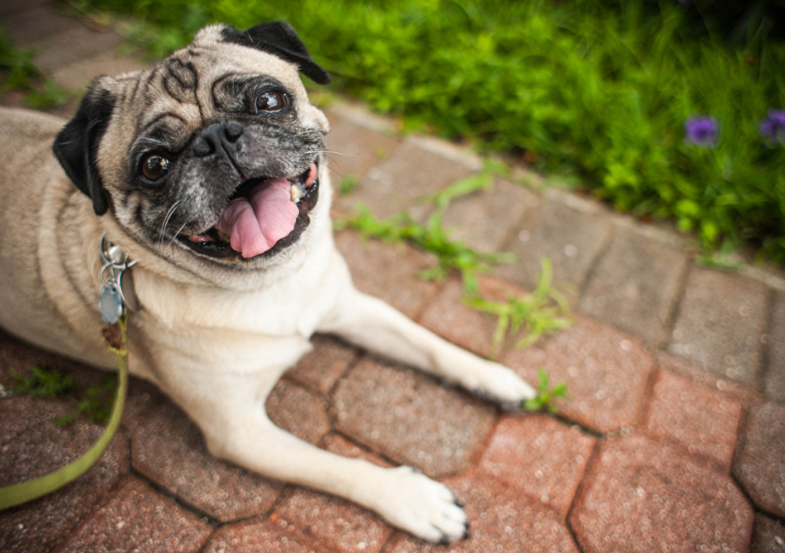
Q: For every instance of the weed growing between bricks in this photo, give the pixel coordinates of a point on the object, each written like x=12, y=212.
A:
x=528, y=317
x=93, y=403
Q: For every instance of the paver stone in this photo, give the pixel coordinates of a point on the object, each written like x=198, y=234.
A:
x=640, y=495
x=502, y=519
x=702, y=420
x=31, y=445
x=135, y=517
x=410, y=418
x=337, y=524
x=605, y=370
x=634, y=285
x=720, y=323
x=759, y=463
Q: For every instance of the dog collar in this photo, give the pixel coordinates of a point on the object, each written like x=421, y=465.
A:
x=113, y=302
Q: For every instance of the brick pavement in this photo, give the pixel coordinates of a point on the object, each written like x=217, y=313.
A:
x=671, y=438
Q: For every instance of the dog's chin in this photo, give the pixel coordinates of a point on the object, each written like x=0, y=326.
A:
x=216, y=245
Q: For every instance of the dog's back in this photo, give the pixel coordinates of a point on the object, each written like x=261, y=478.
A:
x=31, y=182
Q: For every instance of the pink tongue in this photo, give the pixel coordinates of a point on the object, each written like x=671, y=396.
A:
x=255, y=224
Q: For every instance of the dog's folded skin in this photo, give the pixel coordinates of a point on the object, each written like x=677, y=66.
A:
x=208, y=171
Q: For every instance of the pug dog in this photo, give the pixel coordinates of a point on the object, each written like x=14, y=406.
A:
x=208, y=172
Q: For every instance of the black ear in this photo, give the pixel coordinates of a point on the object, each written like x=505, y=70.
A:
x=280, y=39
x=76, y=146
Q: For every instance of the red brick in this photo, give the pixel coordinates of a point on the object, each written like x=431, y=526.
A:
x=724, y=385
x=135, y=517
x=169, y=449
x=759, y=463
x=448, y=316
x=324, y=365
x=260, y=535
x=501, y=518
x=538, y=456
x=31, y=445
x=606, y=372
x=388, y=271
x=640, y=495
x=701, y=420
x=410, y=418
x=336, y=524
x=298, y=411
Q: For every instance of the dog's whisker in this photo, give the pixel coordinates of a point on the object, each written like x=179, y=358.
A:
x=176, y=234
x=168, y=217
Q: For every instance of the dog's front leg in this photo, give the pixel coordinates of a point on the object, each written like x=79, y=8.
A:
x=229, y=409
x=374, y=325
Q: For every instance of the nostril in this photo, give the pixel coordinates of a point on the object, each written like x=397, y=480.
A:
x=233, y=131
x=203, y=147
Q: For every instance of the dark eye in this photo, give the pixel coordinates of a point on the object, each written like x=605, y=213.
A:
x=270, y=100
x=154, y=167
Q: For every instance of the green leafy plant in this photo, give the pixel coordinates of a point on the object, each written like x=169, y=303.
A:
x=44, y=382
x=546, y=396
x=94, y=403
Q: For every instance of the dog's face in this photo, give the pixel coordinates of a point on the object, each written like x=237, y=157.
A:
x=214, y=153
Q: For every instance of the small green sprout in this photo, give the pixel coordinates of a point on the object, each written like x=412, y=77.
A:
x=544, y=400
x=542, y=312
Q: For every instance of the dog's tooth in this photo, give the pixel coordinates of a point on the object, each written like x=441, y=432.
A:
x=295, y=193
x=223, y=237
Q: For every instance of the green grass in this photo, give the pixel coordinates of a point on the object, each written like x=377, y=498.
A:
x=18, y=72
x=597, y=91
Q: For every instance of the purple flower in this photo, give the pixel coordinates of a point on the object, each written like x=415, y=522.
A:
x=772, y=129
x=701, y=131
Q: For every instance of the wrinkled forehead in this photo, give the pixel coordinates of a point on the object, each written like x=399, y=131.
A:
x=191, y=84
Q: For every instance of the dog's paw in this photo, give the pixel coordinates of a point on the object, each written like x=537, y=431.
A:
x=422, y=506
x=503, y=386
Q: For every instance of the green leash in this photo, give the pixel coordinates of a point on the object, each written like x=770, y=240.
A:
x=16, y=494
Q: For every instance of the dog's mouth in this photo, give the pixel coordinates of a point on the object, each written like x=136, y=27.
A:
x=264, y=215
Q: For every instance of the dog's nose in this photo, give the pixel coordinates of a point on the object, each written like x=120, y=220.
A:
x=211, y=137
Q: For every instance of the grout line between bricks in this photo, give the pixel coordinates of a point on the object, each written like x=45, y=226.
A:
x=207, y=519
x=759, y=380
x=669, y=324
x=602, y=251
x=100, y=503
x=676, y=308
x=593, y=459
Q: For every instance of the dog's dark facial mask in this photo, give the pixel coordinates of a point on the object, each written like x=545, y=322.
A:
x=221, y=147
